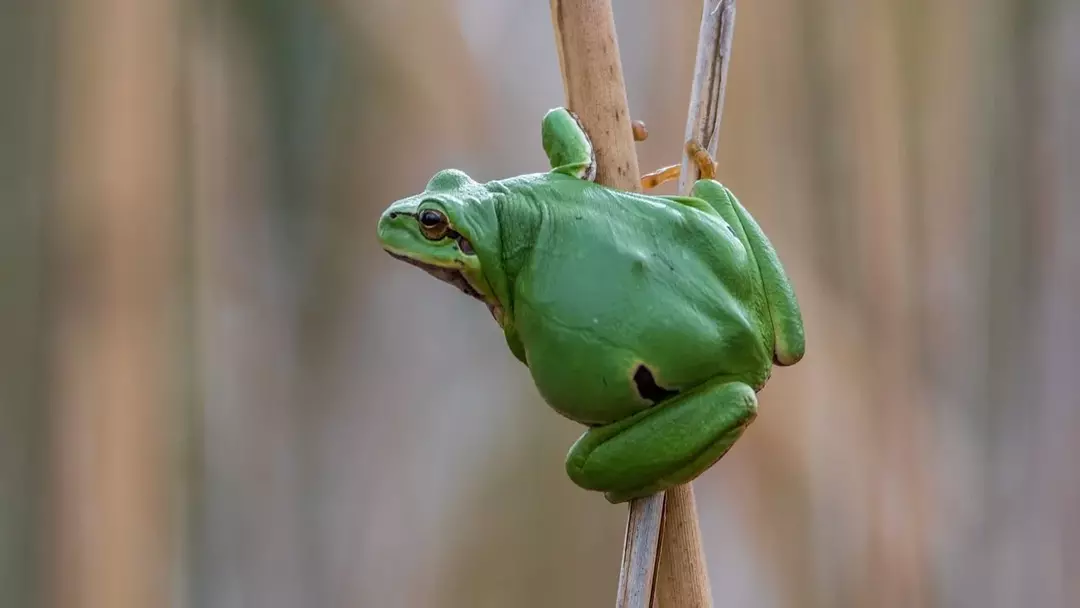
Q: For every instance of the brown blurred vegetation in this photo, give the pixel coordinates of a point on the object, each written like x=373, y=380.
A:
x=215, y=390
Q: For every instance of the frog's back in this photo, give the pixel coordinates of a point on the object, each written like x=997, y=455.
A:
x=621, y=280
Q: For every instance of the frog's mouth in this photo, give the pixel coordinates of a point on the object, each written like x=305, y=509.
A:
x=454, y=277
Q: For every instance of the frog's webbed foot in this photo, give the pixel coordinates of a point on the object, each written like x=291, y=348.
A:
x=660, y=176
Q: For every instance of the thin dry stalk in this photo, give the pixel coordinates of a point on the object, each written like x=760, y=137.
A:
x=683, y=578
x=593, y=80
x=592, y=75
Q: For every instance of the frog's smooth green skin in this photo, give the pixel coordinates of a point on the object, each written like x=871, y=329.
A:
x=654, y=320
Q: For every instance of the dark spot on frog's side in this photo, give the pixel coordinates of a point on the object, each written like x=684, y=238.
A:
x=647, y=387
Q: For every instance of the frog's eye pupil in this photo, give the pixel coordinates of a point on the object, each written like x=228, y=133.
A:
x=431, y=218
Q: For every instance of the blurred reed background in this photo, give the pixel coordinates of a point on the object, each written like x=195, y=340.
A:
x=216, y=390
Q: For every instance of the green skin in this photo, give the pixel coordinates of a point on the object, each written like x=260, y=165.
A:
x=654, y=320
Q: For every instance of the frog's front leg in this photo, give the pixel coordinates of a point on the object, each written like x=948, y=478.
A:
x=660, y=176
x=568, y=147
x=570, y=151
x=664, y=446
x=701, y=157
x=789, y=339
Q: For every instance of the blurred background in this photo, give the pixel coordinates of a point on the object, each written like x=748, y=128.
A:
x=216, y=390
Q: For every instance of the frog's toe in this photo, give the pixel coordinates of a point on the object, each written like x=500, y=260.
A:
x=621, y=497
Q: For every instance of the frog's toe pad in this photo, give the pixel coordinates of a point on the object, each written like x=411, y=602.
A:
x=621, y=497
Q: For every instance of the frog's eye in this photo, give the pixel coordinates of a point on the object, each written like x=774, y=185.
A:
x=433, y=224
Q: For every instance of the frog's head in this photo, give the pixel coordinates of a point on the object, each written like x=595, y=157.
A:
x=451, y=231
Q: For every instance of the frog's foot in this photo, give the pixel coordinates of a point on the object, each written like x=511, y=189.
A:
x=664, y=446
x=701, y=157
x=660, y=176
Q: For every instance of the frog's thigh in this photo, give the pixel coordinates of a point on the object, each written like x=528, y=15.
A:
x=790, y=342
x=664, y=446
x=714, y=193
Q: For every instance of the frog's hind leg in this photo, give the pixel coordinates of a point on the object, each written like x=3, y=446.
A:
x=664, y=446
x=701, y=157
x=789, y=342
x=710, y=196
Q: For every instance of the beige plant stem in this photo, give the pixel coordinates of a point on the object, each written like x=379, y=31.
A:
x=592, y=77
x=595, y=91
x=683, y=579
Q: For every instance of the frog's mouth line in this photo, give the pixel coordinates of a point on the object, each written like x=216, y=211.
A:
x=449, y=275
x=452, y=276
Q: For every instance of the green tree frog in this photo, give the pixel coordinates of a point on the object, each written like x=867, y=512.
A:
x=652, y=320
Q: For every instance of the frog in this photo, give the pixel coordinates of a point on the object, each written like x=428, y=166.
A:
x=653, y=320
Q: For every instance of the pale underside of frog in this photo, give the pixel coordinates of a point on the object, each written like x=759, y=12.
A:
x=653, y=320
